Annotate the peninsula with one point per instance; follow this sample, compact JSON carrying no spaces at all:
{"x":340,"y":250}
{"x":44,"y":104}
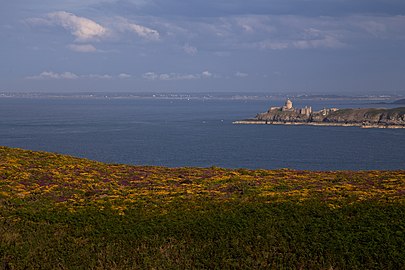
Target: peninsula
{"x":364,"y":117}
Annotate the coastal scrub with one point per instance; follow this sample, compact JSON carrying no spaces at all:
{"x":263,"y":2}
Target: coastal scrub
{"x":58,"y":211}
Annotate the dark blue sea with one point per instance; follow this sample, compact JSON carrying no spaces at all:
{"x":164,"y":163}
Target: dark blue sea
{"x":178,"y":133}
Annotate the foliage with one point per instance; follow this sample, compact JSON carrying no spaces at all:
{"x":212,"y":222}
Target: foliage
{"x":63,"y":212}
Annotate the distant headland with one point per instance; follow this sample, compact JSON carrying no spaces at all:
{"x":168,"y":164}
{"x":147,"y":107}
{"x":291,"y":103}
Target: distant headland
{"x":364,"y":118}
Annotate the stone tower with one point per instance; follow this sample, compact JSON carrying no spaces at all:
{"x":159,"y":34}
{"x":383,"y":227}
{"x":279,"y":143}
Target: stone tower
{"x":288,"y":104}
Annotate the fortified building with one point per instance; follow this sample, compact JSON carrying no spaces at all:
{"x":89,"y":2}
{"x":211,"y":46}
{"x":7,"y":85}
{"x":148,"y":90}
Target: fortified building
{"x":288,"y":107}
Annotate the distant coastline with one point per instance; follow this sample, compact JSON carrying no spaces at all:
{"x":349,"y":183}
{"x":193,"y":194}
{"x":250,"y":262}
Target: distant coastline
{"x":322,"y":124}
{"x":364,"y":118}
{"x":165,"y":95}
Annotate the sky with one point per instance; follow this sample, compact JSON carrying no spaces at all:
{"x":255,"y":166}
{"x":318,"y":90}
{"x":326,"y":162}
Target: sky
{"x":307,"y":46}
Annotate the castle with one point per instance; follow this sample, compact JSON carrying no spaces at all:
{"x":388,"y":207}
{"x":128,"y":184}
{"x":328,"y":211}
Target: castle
{"x":288,"y":107}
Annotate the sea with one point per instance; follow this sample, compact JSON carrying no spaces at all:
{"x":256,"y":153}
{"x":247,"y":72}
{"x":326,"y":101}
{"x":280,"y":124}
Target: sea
{"x":187,"y":132}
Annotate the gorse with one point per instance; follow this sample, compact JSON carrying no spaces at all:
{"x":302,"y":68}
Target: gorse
{"x":63,"y":212}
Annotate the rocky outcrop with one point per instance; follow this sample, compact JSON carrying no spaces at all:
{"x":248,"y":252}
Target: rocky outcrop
{"x":280,"y":116}
{"x":348,"y":117}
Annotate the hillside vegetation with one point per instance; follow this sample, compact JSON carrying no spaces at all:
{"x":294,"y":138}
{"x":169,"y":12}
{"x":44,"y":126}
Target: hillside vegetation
{"x":373,"y":116}
{"x":61,"y":212}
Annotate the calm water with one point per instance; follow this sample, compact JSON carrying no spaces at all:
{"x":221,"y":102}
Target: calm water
{"x":200,"y":133}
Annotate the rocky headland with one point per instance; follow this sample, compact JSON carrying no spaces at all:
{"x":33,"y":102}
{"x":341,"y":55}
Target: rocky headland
{"x":364,"y":117}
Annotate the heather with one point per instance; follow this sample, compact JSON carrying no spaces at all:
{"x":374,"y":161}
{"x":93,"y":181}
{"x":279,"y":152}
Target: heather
{"x":61,"y":212}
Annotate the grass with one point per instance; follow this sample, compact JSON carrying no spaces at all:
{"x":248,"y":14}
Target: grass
{"x":60,"y":212}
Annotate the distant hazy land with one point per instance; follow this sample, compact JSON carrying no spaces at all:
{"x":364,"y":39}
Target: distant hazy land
{"x":200,"y":95}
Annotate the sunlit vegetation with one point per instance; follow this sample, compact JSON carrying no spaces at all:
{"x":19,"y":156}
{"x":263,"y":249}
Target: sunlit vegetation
{"x":61,"y":212}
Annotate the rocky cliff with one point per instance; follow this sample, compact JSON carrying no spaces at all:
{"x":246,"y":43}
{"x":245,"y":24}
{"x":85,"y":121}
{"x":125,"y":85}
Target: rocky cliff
{"x":283,"y":116}
{"x":380,"y":117}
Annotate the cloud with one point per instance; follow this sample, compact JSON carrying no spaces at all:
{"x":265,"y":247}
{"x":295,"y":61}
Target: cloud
{"x":325,"y":42}
{"x":169,"y":76}
{"x":250,"y":32}
{"x":306,"y":38}
{"x":187,"y":76}
{"x":272,"y":45}
{"x":50,"y":75}
{"x":254,"y":24}
{"x":85,"y":30}
{"x":329,"y":42}
{"x":175,"y":76}
{"x":302,"y":33}
{"x":124,"y":76}
{"x":316,"y":38}
{"x":373,"y":27}
{"x":55,"y":76}
{"x":311,"y":8}
{"x":219,"y":34}
{"x":206,"y":74}
{"x":190,"y":49}
{"x":379,"y":26}
{"x":150,"y":76}
{"x":241,"y":74}
{"x":98,"y":76}
{"x":82,"y":28}
{"x":84,"y":48}
{"x":229,"y":34}
{"x":144,"y":32}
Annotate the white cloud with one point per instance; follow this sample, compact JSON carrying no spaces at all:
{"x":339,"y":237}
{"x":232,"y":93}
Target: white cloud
{"x":98,"y":76}
{"x":142,"y":31}
{"x":190,"y":49}
{"x":165,"y":77}
{"x":50,"y":75}
{"x":150,"y":76}
{"x":84,"y":48}
{"x":176,"y":76}
{"x":85,"y":30}
{"x":206,"y":74}
{"x":46,"y":75}
{"x":241,"y":74}
{"x":82,"y":28}
{"x":124,"y":76}
{"x":169,"y":76}
{"x":187,"y":77}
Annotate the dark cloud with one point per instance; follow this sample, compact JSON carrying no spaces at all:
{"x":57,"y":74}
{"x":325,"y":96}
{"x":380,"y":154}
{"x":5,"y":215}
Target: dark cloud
{"x":198,"y":8}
